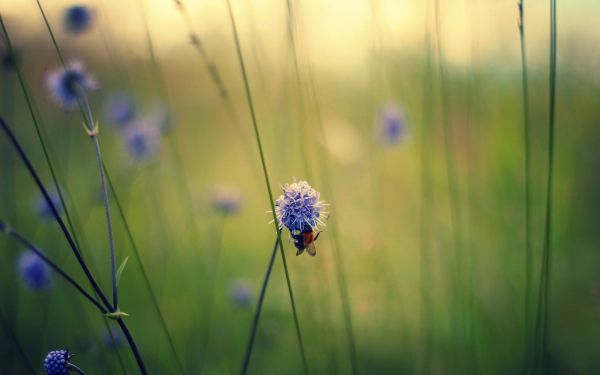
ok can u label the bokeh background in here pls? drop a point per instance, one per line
(429, 225)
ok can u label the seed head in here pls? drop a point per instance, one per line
(299, 207)
(67, 85)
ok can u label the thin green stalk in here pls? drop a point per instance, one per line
(38, 129)
(543, 317)
(527, 162)
(92, 130)
(266, 177)
(210, 306)
(452, 184)
(261, 299)
(145, 277)
(425, 209)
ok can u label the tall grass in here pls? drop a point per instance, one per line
(527, 165)
(266, 177)
(541, 357)
(325, 172)
(458, 302)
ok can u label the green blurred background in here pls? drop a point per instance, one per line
(391, 212)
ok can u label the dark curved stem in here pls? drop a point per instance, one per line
(59, 220)
(73, 367)
(134, 348)
(261, 299)
(16, 235)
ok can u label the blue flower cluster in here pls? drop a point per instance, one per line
(299, 208)
(57, 362)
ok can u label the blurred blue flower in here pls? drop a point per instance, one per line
(114, 339)
(299, 208)
(57, 362)
(43, 209)
(241, 293)
(78, 19)
(227, 199)
(66, 85)
(120, 109)
(142, 140)
(34, 272)
(393, 127)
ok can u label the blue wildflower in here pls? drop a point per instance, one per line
(227, 199)
(142, 140)
(120, 109)
(241, 293)
(43, 209)
(392, 125)
(114, 339)
(57, 362)
(34, 272)
(78, 19)
(66, 85)
(299, 208)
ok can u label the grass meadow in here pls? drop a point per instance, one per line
(145, 146)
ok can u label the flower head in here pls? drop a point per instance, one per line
(43, 209)
(142, 140)
(34, 272)
(120, 109)
(299, 207)
(78, 19)
(57, 362)
(227, 199)
(67, 85)
(241, 293)
(392, 125)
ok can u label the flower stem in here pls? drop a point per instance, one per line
(527, 162)
(93, 131)
(73, 367)
(542, 318)
(261, 299)
(16, 235)
(69, 239)
(266, 177)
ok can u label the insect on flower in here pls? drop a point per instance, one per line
(300, 211)
(66, 86)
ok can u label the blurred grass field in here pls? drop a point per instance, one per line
(433, 288)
